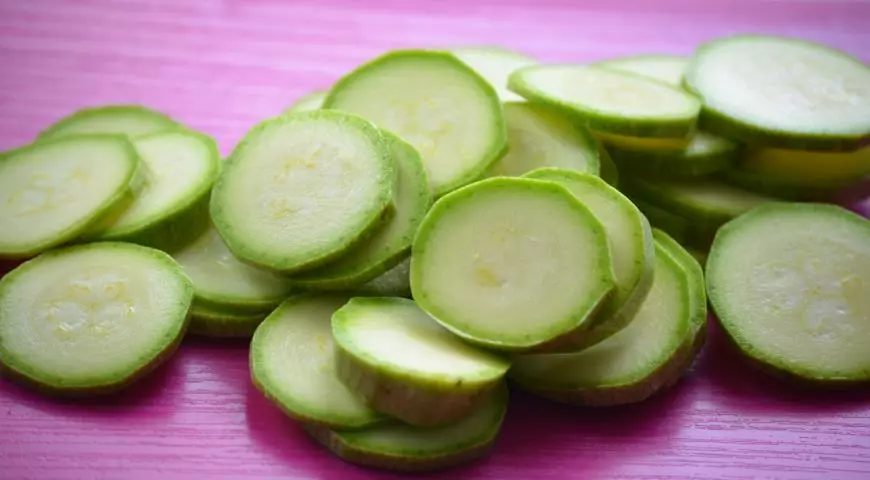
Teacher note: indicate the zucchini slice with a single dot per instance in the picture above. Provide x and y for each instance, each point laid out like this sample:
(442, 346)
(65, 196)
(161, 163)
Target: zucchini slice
(308, 102)
(789, 285)
(540, 137)
(610, 101)
(405, 448)
(404, 364)
(131, 120)
(645, 357)
(775, 186)
(631, 246)
(512, 264)
(435, 102)
(664, 68)
(495, 65)
(222, 282)
(51, 192)
(91, 319)
(171, 209)
(293, 363)
(389, 244)
(290, 174)
(394, 283)
(705, 154)
(208, 321)
(782, 92)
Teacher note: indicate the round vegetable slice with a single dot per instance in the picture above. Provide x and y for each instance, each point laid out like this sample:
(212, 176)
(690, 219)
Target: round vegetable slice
(664, 68)
(775, 186)
(660, 218)
(436, 103)
(131, 120)
(705, 154)
(631, 247)
(707, 204)
(628, 367)
(789, 285)
(395, 283)
(406, 448)
(171, 209)
(308, 102)
(293, 364)
(609, 172)
(782, 92)
(495, 65)
(391, 243)
(697, 285)
(610, 100)
(92, 319)
(53, 191)
(208, 321)
(222, 282)
(483, 251)
(540, 137)
(404, 364)
(301, 190)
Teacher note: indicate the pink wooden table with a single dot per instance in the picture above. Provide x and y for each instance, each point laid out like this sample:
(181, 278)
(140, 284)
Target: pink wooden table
(220, 66)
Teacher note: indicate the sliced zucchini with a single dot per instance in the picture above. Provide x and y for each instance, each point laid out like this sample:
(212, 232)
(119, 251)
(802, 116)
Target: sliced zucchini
(395, 283)
(485, 250)
(290, 174)
(662, 219)
(208, 321)
(628, 367)
(789, 285)
(782, 92)
(51, 192)
(707, 204)
(404, 364)
(130, 120)
(610, 101)
(171, 209)
(437, 103)
(406, 448)
(293, 363)
(308, 102)
(609, 172)
(705, 154)
(697, 285)
(540, 137)
(664, 68)
(91, 319)
(631, 247)
(775, 186)
(495, 64)
(222, 282)
(388, 245)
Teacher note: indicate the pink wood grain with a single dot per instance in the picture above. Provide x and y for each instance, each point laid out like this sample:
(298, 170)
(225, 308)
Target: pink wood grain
(220, 66)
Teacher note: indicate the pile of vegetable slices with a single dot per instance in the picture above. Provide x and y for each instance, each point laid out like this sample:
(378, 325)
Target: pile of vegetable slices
(442, 223)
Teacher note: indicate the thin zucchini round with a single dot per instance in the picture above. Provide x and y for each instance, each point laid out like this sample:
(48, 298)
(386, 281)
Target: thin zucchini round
(293, 363)
(171, 209)
(782, 92)
(91, 319)
(610, 101)
(51, 192)
(664, 68)
(131, 120)
(404, 364)
(435, 102)
(705, 154)
(308, 102)
(541, 137)
(301, 190)
(495, 65)
(645, 357)
(390, 243)
(394, 283)
(484, 250)
(405, 448)
(631, 246)
(789, 285)
(209, 321)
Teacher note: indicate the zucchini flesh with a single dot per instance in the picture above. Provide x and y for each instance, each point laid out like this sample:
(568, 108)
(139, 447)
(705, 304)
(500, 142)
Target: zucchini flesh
(487, 248)
(436, 103)
(396, 282)
(495, 65)
(308, 102)
(788, 283)
(540, 137)
(92, 319)
(208, 321)
(664, 68)
(52, 191)
(131, 120)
